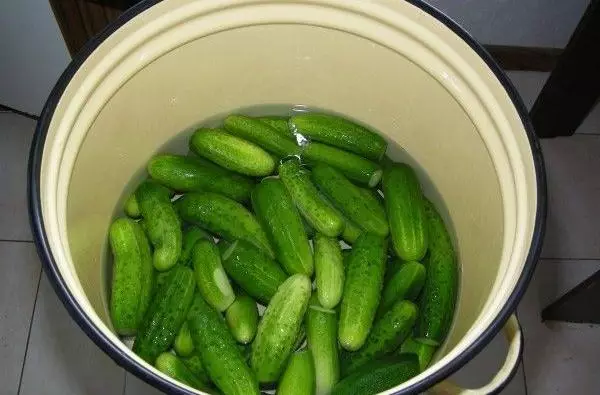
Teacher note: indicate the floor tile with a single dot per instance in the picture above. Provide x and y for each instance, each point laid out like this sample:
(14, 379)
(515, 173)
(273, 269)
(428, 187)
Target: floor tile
(135, 386)
(61, 359)
(560, 358)
(18, 287)
(528, 84)
(16, 132)
(572, 167)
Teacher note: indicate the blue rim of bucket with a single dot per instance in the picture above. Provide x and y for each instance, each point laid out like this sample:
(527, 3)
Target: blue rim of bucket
(125, 360)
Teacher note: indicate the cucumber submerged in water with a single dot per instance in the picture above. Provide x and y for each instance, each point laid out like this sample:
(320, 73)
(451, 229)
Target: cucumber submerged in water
(321, 333)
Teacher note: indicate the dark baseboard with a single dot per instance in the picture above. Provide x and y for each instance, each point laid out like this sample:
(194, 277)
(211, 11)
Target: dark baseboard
(524, 58)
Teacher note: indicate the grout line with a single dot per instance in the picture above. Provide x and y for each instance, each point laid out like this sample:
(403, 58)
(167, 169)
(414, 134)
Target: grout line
(568, 259)
(124, 381)
(586, 134)
(8, 109)
(37, 291)
(15, 241)
(523, 357)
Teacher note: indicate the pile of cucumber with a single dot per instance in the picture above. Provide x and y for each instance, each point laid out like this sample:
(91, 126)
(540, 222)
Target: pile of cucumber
(305, 216)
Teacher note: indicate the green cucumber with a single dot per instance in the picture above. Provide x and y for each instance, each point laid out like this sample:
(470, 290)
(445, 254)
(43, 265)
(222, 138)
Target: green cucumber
(211, 278)
(161, 223)
(405, 283)
(187, 174)
(276, 211)
(386, 336)
(340, 132)
(299, 375)
(221, 357)
(365, 268)
(349, 199)
(321, 330)
(438, 297)
(406, 212)
(279, 327)
(353, 166)
(223, 216)
(317, 212)
(379, 376)
(174, 367)
(242, 318)
(329, 267)
(424, 352)
(166, 314)
(191, 235)
(278, 123)
(262, 134)
(300, 339)
(232, 152)
(132, 275)
(253, 270)
(131, 207)
(195, 365)
(351, 232)
(183, 345)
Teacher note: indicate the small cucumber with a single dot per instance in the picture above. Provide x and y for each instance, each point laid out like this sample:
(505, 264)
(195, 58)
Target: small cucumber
(299, 375)
(300, 339)
(242, 318)
(321, 330)
(195, 365)
(351, 232)
(211, 279)
(340, 132)
(349, 199)
(353, 166)
(161, 223)
(406, 213)
(223, 216)
(424, 352)
(187, 174)
(279, 327)
(191, 235)
(275, 210)
(329, 267)
(221, 357)
(232, 152)
(262, 134)
(131, 207)
(132, 275)
(438, 297)
(387, 335)
(174, 367)
(379, 376)
(317, 212)
(405, 283)
(278, 123)
(166, 314)
(183, 345)
(251, 269)
(365, 268)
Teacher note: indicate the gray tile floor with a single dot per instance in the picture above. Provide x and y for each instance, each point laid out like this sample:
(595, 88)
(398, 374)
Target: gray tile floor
(42, 351)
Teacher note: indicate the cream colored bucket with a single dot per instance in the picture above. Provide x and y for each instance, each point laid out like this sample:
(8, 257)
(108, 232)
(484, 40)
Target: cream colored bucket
(400, 67)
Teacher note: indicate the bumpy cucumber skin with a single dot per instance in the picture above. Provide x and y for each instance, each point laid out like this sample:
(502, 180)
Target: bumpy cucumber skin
(340, 132)
(438, 297)
(242, 318)
(329, 267)
(321, 331)
(405, 283)
(166, 315)
(278, 123)
(262, 134)
(187, 174)
(220, 354)
(424, 352)
(365, 268)
(349, 199)
(191, 235)
(317, 212)
(131, 207)
(379, 376)
(299, 375)
(405, 211)
(195, 365)
(232, 152)
(351, 232)
(183, 345)
(223, 216)
(211, 279)
(276, 212)
(253, 270)
(133, 275)
(279, 327)
(353, 166)
(174, 367)
(161, 223)
(387, 335)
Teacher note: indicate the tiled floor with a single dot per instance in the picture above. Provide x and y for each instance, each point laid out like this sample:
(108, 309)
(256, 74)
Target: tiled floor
(42, 351)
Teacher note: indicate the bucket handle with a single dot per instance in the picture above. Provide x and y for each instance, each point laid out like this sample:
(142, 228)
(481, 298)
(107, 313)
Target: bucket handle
(514, 336)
